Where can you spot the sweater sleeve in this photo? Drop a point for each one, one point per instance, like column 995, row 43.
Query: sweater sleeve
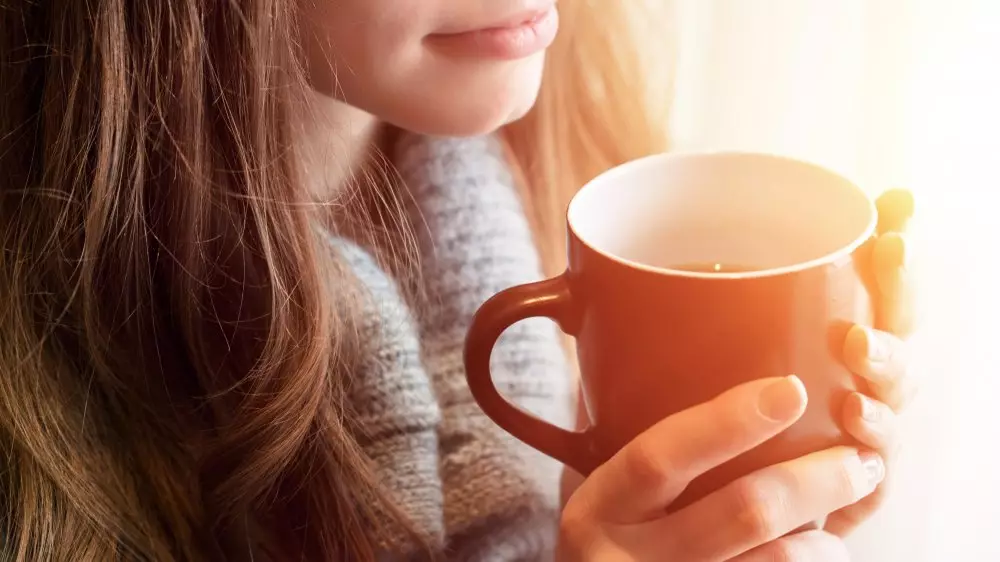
column 500, row 497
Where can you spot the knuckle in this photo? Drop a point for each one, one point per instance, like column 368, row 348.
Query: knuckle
column 645, row 463
column 761, row 507
column 578, row 533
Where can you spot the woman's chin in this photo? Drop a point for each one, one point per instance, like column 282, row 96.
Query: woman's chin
column 484, row 127
column 468, row 107
column 473, row 120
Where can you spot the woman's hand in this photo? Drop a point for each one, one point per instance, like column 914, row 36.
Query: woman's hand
column 618, row 513
column 879, row 355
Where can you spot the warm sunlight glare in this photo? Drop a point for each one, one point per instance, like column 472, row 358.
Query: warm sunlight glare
column 893, row 93
column 953, row 123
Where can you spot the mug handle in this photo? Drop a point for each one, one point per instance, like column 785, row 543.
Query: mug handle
column 548, row 299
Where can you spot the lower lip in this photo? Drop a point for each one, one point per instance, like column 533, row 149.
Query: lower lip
column 505, row 43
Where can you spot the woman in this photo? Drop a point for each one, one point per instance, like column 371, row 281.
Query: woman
column 216, row 345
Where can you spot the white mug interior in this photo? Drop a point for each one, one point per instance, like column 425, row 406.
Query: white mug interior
column 741, row 214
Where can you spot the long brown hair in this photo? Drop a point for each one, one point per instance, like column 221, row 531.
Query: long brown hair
column 173, row 340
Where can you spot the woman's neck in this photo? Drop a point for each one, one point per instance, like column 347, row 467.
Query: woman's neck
column 334, row 139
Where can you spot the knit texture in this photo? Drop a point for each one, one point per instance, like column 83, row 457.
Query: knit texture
column 474, row 491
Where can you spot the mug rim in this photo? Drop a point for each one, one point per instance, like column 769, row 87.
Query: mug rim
column 840, row 255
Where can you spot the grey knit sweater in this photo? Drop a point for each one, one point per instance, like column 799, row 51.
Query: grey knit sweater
column 477, row 493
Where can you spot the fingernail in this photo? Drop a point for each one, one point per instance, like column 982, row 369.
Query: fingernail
column 868, row 410
column 877, row 349
column 874, row 467
column 782, row 400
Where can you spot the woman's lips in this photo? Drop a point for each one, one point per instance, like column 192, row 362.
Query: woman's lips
column 534, row 33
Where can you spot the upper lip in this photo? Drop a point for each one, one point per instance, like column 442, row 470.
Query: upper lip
column 512, row 19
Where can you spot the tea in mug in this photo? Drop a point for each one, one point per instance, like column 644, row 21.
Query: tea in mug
column 710, row 267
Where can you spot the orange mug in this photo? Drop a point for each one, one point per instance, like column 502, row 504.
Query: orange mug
column 690, row 274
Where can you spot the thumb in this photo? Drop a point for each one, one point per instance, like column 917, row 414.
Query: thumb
column 653, row 469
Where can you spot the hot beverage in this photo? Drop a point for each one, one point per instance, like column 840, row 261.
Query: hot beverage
column 713, row 267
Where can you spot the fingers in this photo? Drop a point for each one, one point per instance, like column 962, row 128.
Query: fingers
column 764, row 506
column 883, row 360
column 872, row 423
column 814, row 546
column 896, row 311
column 895, row 208
column 650, row 472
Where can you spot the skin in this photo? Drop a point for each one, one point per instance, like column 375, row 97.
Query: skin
column 369, row 63
column 373, row 56
column 880, row 355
